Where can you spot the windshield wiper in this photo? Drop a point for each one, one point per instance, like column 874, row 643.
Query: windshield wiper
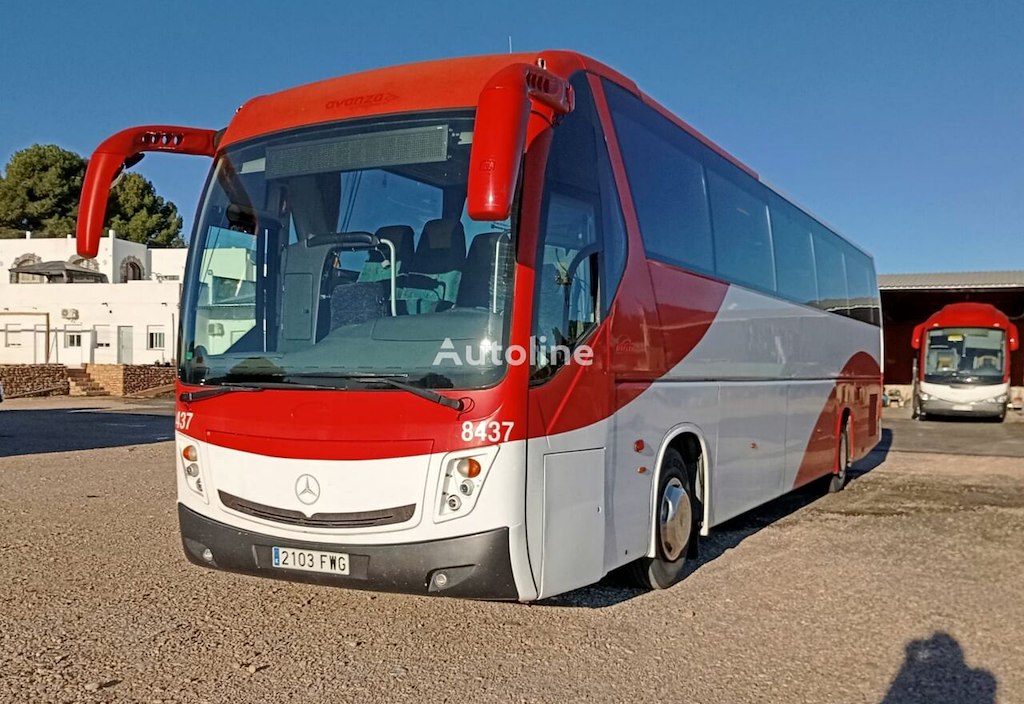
column 225, row 388
column 391, row 380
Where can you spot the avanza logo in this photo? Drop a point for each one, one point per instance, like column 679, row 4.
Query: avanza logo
column 358, row 101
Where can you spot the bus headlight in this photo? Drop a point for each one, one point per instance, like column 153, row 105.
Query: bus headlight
column 924, row 397
column 462, row 476
column 1001, row 398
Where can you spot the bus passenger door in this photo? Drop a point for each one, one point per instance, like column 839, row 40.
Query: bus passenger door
column 578, row 262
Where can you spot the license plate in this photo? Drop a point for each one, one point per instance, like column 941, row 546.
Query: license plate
column 961, row 407
column 310, row 560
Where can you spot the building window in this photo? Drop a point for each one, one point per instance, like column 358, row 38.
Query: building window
column 103, row 336
column 73, row 339
column 155, row 340
column 12, row 336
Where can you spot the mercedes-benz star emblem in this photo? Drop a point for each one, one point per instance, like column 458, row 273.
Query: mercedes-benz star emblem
column 307, row 489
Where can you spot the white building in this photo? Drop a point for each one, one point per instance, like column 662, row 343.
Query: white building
column 132, row 319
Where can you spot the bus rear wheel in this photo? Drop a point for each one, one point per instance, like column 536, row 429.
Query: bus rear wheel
column 838, row 480
column 675, row 528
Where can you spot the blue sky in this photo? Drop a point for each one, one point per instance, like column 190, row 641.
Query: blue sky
column 899, row 123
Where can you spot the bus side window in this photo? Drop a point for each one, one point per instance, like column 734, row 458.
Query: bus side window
column 568, row 288
column 582, row 251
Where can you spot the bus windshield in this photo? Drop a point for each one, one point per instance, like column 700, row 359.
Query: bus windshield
column 965, row 355
column 344, row 253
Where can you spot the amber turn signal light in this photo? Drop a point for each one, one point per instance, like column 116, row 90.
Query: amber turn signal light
column 468, row 467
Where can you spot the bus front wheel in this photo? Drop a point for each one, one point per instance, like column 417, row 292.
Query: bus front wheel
column 675, row 526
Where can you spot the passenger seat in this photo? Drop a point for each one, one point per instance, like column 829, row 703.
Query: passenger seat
column 376, row 266
column 431, row 281
column 476, row 290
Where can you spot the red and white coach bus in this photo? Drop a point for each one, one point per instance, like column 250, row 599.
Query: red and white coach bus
column 386, row 273
column 962, row 365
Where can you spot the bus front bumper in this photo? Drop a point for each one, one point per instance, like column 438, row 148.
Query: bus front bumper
column 473, row 566
column 941, row 407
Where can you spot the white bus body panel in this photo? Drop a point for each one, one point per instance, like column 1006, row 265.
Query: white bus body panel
column 364, row 485
column 966, row 394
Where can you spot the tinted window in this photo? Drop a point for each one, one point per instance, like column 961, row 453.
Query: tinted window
column 876, row 308
column 743, row 242
column 794, row 253
column 831, row 270
column 861, row 286
column 666, row 179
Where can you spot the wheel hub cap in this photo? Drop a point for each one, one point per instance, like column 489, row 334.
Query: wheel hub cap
column 675, row 520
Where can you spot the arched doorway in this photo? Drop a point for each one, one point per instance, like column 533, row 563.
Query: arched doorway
column 131, row 270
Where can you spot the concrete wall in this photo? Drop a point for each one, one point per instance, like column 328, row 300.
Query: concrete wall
column 167, row 264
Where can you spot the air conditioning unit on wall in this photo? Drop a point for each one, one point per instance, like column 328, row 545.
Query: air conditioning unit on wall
column 69, row 313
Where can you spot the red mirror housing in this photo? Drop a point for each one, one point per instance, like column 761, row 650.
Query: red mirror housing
column 109, row 159
column 503, row 112
column 915, row 340
column 1014, row 338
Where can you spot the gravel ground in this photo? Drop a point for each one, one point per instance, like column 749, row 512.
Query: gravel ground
column 906, row 587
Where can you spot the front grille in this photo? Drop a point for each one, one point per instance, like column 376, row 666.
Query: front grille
column 357, row 519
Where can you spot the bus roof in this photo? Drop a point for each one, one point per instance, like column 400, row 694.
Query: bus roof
column 429, row 85
column 968, row 315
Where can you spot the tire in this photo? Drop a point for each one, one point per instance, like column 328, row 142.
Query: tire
column 676, row 516
column 838, row 479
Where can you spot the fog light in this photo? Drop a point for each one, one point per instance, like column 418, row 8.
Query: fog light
column 466, row 488
column 199, row 485
column 448, row 577
column 190, row 453
column 208, row 555
column 454, row 503
column 192, row 470
column 468, row 467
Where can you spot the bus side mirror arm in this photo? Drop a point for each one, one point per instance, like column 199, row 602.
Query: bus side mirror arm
column 118, row 152
column 502, row 116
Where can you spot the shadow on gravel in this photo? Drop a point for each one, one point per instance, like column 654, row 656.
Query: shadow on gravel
column 30, row 432
column 875, row 457
column 934, row 672
column 614, row 589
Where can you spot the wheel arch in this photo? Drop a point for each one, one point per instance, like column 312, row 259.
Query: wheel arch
column 688, row 438
column 843, row 418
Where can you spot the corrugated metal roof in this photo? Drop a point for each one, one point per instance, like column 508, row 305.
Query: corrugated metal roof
column 952, row 280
